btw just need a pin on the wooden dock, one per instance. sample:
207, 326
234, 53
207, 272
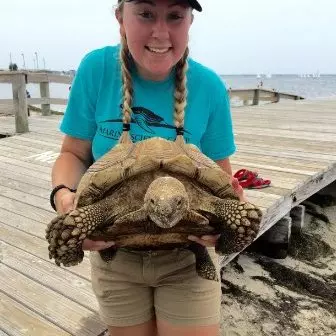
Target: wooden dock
291, 143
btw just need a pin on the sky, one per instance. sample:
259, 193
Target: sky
231, 37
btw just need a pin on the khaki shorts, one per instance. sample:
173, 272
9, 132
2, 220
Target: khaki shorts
136, 286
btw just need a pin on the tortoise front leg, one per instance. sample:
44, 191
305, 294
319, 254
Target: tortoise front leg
66, 233
239, 223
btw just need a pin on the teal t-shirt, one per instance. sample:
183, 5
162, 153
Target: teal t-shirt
94, 109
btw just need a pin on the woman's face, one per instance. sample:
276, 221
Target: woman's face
157, 34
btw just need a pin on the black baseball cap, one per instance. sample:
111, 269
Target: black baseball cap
193, 3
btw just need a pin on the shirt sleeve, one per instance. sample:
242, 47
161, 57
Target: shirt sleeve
218, 140
79, 117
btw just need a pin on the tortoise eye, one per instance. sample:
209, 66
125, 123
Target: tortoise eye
152, 201
179, 202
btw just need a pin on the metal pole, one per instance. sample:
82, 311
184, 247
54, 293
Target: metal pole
44, 64
37, 65
24, 63
34, 60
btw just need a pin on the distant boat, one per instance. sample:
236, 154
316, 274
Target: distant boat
316, 74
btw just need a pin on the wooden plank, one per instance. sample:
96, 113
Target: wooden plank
45, 302
16, 319
9, 143
280, 168
25, 224
47, 146
33, 142
47, 77
313, 185
25, 171
26, 210
34, 167
6, 78
280, 161
285, 124
56, 278
281, 143
36, 201
31, 188
38, 247
55, 135
29, 180
48, 101
29, 156
247, 148
6, 101
289, 134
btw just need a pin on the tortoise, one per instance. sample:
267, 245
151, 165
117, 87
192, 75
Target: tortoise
150, 195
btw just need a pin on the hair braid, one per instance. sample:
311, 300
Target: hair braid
180, 90
126, 86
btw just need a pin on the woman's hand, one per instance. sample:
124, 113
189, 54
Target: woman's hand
64, 200
238, 189
92, 245
207, 240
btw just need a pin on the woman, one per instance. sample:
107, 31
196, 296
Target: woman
150, 82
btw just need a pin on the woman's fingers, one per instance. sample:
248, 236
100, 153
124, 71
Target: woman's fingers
65, 200
92, 245
207, 240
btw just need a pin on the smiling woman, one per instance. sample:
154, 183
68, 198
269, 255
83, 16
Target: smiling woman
147, 86
157, 34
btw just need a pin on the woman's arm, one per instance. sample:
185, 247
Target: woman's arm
73, 161
226, 166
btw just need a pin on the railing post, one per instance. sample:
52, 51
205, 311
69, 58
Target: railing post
20, 103
45, 93
277, 97
256, 97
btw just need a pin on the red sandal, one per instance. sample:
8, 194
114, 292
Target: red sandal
250, 180
244, 174
254, 182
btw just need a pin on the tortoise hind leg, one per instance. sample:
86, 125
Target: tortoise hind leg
204, 265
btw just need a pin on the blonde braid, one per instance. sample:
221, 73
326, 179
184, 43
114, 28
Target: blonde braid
127, 88
180, 92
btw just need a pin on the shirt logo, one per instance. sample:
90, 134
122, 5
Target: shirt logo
144, 118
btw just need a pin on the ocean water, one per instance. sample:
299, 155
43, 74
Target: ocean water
308, 87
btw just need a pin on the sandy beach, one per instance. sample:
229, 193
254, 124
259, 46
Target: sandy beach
292, 296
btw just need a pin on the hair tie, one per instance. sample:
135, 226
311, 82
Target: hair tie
179, 130
126, 127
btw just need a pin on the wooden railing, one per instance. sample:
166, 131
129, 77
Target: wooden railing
19, 104
260, 95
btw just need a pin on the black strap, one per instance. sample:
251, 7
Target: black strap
179, 130
126, 127
54, 191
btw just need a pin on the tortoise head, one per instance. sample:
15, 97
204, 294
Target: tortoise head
166, 201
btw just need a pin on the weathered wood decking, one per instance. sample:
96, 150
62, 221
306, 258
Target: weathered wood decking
293, 144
